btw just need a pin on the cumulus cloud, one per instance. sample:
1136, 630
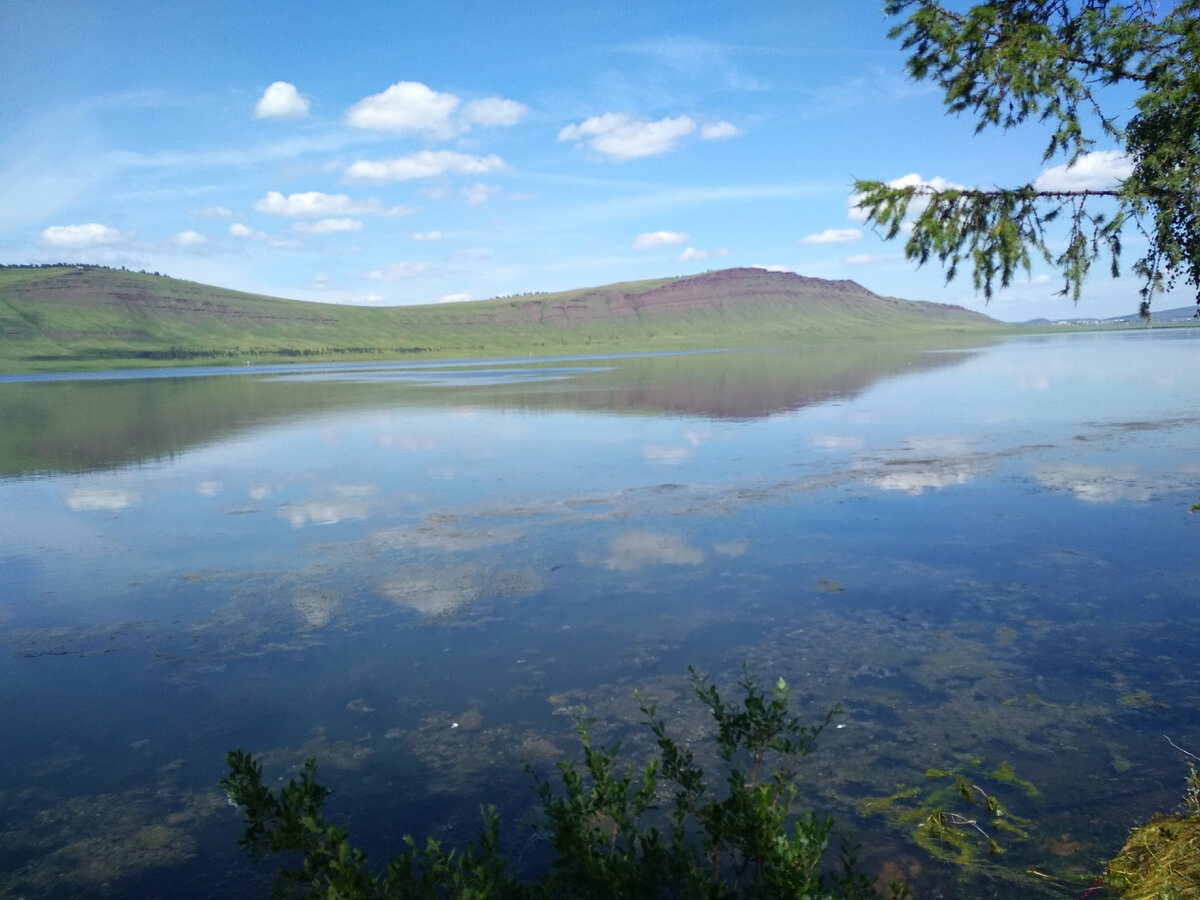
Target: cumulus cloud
189, 238
618, 137
406, 107
478, 193
215, 212
691, 253
399, 271
76, 237
833, 236
281, 101
426, 236
635, 550
424, 164
494, 112
918, 480
1097, 484
864, 259
651, 239
316, 205
718, 131
328, 226
454, 298
409, 107
1098, 171
110, 499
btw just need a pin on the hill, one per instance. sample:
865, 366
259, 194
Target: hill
67, 318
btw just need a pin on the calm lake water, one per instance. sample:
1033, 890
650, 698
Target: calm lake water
420, 574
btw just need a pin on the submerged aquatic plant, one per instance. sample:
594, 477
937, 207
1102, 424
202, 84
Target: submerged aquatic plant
954, 817
731, 836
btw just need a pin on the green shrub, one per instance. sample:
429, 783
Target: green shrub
665, 830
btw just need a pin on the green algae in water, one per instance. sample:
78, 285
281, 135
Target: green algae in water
1136, 700
1004, 773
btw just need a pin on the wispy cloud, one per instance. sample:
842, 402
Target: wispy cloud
423, 164
328, 226
315, 204
652, 239
833, 236
400, 271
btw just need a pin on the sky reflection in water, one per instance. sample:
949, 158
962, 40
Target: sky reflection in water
420, 576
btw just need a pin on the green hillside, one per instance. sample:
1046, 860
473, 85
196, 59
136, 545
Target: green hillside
70, 318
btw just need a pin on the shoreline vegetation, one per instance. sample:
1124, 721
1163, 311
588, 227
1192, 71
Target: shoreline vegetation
65, 318
669, 827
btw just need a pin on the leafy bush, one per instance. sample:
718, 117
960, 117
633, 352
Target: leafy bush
665, 830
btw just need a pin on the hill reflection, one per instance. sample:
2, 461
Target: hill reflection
75, 425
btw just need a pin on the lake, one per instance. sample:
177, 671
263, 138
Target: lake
421, 574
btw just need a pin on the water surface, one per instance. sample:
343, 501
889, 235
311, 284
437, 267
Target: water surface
421, 573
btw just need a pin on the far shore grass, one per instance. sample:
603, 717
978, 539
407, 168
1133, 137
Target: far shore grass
77, 320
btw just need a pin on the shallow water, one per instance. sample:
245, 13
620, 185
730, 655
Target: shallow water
420, 573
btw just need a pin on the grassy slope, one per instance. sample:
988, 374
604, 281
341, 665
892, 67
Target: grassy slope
61, 319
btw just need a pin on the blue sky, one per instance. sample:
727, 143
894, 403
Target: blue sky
391, 153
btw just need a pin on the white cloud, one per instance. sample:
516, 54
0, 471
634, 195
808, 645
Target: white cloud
620, 138
494, 112
399, 271
426, 236
864, 259
691, 253
666, 455
92, 234
189, 238
455, 298
775, 268
634, 550
314, 204
717, 131
402, 210
371, 299
238, 230
406, 107
833, 236
652, 239
281, 101
215, 212
478, 193
410, 107
1098, 171
328, 226
424, 164
88, 499
917, 480
1097, 484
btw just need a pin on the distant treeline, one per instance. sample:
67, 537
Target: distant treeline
67, 265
